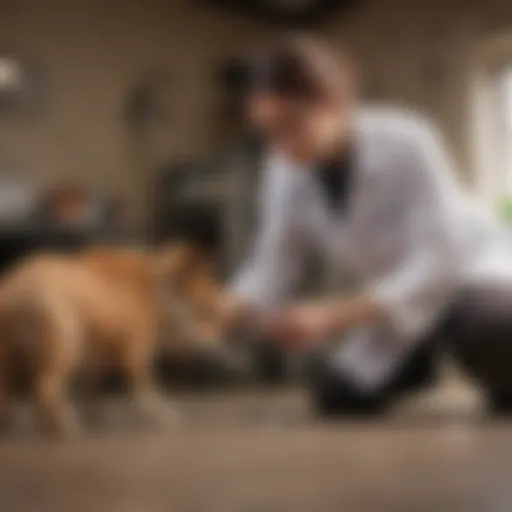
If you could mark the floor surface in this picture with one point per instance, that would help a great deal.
(261, 451)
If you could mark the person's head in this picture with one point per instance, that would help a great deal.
(300, 92)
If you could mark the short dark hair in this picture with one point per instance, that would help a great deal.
(299, 67)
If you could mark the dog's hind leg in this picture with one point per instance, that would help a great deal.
(59, 338)
(54, 413)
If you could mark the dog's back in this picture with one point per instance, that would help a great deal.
(105, 291)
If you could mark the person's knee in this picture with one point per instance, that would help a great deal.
(331, 392)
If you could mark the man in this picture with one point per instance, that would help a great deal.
(372, 191)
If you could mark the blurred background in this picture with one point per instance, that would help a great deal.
(121, 122)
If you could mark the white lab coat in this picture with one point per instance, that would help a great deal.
(410, 238)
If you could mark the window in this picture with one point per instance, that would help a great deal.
(491, 141)
(506, 97)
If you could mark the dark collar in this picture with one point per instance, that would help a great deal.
(336, 178)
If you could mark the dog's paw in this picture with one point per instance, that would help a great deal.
(62, 425)
(158, 412)
(167, 416)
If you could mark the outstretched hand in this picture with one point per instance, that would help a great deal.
(301, 326)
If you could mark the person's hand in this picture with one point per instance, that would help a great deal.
(302, 325)
(232, 311)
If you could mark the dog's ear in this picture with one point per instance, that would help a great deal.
(175, 260)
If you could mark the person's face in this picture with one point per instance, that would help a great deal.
(304, 132)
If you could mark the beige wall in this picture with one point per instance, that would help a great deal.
(92, 51)
(412, 52)
(419, 53)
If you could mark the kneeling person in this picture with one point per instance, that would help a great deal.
(371, 190)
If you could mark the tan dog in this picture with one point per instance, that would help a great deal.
(61, 315)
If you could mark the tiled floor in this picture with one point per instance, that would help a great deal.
(261, 451)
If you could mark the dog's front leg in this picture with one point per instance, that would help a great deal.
(91, 399)
(148, 400)
(154, 407)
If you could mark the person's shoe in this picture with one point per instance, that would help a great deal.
(500, 404)
(333, 397)
(420, 373)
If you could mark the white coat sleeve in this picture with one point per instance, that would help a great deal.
(426, 274)
(276, 260)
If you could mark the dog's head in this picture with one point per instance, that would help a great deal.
(190, 292)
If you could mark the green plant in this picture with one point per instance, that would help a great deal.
(505, 208)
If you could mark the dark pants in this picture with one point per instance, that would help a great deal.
(478, 337)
